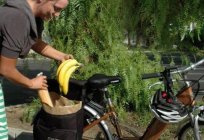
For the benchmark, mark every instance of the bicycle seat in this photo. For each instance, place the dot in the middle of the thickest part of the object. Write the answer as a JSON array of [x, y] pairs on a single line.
[[102, 80], [80, 83]]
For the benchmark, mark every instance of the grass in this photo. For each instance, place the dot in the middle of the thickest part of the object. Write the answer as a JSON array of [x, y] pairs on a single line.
[[30, 110], [140, 123]]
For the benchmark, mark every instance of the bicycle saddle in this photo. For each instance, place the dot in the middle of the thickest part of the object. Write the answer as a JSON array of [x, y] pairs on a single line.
[[102, 80]]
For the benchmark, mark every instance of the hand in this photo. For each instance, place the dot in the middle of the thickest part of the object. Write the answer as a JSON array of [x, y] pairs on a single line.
[[66, 57], [39, 83]]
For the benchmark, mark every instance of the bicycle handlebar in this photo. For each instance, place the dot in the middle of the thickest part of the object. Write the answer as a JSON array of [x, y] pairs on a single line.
[[151, 75], [156, 75], [191, 67]]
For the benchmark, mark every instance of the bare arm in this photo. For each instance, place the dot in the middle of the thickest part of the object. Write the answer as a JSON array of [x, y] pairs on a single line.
[[46, 50], [8, 70]]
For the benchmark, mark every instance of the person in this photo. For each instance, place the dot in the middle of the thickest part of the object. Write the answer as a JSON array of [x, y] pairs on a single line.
[[21, 26]]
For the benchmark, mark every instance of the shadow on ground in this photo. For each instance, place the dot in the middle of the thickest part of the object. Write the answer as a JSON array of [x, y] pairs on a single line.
[[18, 134]]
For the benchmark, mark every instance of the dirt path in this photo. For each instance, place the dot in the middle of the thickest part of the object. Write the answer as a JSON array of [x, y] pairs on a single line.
[[14, 117]]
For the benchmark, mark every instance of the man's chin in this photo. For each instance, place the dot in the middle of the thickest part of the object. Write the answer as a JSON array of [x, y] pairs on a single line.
[[48, 18]]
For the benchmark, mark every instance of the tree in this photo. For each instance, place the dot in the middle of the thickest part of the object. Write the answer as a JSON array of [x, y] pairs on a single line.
[[1, 2], [165, 23], [91, 30]]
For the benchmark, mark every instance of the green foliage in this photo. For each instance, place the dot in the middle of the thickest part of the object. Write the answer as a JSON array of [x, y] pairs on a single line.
[[132, 94], [165, 23], [1, 2], [31, 110], [91, 31]]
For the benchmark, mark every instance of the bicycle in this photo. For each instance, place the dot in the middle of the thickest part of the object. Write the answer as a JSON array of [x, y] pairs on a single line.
[[98, 107], [193, 127]]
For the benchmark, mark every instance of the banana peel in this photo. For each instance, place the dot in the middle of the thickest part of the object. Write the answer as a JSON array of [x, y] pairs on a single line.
[[45, 96]]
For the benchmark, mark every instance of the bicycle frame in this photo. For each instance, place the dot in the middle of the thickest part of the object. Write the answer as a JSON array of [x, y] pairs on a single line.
[[153, 131], [185, 96], [156, 127], [105, 115], [194, 122], [99, 120], [194, 119]]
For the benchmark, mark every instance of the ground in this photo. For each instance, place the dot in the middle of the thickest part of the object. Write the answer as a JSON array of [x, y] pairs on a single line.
[[15, 114], [14, 117]]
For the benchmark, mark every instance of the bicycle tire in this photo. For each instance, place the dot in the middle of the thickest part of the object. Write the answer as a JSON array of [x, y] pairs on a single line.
[[186, 132], [97, 132]]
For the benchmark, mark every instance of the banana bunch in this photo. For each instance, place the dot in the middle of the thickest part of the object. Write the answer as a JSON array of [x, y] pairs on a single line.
[[64, 73]]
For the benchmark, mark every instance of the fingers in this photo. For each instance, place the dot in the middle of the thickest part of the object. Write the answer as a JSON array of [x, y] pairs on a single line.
[[67, 56], [44, 87], [44, 83], [40, 82]]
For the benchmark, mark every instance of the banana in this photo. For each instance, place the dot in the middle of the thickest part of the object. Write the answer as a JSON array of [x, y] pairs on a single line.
[[65, 85], [61, 65], [67, 65]]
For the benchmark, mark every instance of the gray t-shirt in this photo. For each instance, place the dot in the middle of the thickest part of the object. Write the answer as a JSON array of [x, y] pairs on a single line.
[[19, 29]]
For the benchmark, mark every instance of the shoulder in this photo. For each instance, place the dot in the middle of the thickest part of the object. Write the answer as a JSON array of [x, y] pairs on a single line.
[[13, 20], [9, 14]]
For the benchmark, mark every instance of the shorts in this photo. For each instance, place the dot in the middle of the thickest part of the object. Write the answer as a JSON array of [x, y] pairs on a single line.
[[3, 120]]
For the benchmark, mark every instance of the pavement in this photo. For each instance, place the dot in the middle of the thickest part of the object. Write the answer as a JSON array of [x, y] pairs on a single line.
[[20, 134]]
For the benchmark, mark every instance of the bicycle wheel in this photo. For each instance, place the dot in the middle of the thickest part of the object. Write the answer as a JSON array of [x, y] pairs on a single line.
[[105, 130], [186, 133], [97, 132]]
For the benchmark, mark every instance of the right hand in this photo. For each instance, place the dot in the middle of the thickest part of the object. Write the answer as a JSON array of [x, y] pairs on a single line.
[[39, 83]]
